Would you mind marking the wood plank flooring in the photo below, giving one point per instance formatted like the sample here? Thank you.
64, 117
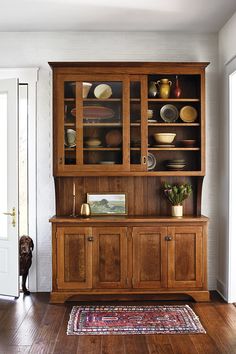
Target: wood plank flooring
32, 325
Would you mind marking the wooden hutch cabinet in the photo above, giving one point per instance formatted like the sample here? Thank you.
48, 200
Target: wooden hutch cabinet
105, 120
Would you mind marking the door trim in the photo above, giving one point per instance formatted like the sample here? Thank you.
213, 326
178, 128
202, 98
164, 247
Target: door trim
29, 76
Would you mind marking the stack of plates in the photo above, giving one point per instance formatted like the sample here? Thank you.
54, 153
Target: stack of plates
151, 162
175, 165
107, 162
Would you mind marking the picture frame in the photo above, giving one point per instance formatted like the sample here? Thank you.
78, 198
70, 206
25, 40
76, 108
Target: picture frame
108, 203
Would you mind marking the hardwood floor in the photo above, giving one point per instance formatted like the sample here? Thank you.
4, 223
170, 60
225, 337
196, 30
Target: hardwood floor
32, 325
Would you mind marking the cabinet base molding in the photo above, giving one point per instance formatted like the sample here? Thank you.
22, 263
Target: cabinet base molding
61, 297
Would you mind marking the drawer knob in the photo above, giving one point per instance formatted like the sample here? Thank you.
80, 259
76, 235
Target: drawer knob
168, 238
90, 238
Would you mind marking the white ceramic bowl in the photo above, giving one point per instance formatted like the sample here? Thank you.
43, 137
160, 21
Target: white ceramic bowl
164, 138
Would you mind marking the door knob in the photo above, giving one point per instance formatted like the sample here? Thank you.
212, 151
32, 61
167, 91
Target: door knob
90, 238
13, 215
168, 238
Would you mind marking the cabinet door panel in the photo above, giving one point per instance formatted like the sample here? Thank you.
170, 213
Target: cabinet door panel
74, 252
149, 257
83, 114
185, 257
110, 257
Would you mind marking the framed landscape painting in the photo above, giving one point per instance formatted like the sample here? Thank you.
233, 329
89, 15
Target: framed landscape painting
107, 203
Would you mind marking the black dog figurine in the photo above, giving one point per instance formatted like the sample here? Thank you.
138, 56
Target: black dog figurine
26, 247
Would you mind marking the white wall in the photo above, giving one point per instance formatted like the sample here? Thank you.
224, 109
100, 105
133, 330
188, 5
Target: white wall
227, 51
36, 49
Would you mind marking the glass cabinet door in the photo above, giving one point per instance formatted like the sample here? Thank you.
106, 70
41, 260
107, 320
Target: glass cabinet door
138, 123
96, 123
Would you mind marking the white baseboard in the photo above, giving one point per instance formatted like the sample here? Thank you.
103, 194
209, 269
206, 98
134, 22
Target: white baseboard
222, 289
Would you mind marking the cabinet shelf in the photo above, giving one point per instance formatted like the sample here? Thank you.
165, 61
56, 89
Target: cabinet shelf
101, 99
173, 124
92, 125
173, 100
135, 124
101, 149
69, 124
70, 149
173, 149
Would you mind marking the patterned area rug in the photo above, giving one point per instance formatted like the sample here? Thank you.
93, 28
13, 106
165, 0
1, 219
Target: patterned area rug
108, 320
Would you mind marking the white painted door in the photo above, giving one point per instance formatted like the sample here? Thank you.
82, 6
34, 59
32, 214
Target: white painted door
9, 255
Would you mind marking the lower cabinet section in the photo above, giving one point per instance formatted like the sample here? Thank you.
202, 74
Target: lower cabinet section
155, 259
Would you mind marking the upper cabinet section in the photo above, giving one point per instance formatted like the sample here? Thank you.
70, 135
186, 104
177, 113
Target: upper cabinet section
129, 119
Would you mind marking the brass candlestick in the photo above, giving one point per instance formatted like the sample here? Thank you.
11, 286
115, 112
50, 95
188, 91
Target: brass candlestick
73, 205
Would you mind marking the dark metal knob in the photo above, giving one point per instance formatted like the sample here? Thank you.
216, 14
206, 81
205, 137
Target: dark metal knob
90, 238
168, 238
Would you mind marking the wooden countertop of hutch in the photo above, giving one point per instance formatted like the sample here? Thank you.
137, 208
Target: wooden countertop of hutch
127, 219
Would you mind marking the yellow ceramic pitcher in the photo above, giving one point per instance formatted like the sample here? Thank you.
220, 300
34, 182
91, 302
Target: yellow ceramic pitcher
164, 88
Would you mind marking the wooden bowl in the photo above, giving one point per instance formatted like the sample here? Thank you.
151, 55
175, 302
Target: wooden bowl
113, 138
188, 143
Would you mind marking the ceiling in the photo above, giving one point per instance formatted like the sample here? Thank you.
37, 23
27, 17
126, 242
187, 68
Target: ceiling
115, 15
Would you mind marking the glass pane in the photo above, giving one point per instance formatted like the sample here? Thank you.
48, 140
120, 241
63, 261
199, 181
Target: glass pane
135, 122
3, 164
23, 161
102, 123
70, 122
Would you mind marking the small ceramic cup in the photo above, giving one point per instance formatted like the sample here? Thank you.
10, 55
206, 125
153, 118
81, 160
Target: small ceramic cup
150, 113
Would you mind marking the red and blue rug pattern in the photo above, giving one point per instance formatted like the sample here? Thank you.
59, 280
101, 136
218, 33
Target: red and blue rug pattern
124, 320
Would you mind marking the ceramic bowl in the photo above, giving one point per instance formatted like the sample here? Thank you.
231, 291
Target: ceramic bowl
164, 138
93, 142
